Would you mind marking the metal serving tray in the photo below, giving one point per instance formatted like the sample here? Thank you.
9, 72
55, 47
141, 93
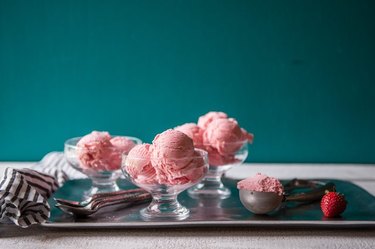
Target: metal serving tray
360, 211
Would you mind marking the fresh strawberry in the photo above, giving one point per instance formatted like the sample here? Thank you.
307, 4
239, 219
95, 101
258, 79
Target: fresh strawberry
333, 204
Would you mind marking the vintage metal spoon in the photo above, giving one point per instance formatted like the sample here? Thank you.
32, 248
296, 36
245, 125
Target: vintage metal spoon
98, 196
266, 202
96, 205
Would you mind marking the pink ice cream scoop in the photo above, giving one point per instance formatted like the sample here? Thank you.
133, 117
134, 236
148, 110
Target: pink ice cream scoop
122, 144
172, 144
99, 151
224, 135
138, 164
194, 132
247, 135
95, 151
217, 159
222, 139
206, 119
175, 160
220, 136
95, 138
261, 183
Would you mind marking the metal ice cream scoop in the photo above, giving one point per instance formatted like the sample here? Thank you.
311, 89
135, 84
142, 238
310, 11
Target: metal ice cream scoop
266, 202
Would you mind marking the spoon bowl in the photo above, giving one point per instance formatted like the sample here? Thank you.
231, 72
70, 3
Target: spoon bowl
260, 202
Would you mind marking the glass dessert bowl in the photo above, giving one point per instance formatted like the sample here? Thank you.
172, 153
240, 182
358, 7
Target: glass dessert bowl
211, 186
100, 161
226, 143
164, 178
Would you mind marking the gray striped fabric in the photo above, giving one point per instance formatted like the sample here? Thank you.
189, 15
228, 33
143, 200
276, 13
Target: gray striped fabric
24, 193
54, 164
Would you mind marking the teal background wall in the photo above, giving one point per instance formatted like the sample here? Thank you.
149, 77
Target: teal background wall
299, 74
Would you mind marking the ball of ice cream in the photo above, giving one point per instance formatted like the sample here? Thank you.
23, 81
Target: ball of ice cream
172, 144
219, 135
138, 164
94, 150
217, 159
222, 138
247, 135
194, 132
175, 160
99, 151
261, 183
191, 172
95, 138
122, 144
206, 119
224, 135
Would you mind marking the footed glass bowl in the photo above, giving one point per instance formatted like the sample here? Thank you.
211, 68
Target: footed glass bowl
107, 168
211, 186
164, 204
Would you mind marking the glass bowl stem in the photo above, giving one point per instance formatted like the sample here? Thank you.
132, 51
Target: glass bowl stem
211, 185
101, 183
165, 206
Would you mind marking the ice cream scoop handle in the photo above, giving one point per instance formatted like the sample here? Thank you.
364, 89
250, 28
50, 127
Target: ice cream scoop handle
312, 195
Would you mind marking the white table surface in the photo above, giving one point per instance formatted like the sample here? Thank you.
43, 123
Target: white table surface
362, 175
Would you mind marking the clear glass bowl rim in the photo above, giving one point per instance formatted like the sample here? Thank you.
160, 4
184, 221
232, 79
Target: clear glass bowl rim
203, 154
242, 142
72, 142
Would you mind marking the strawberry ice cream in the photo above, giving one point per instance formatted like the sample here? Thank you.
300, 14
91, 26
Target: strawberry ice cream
193, 131
175, 160
171, 160
224, 135
122, 144
138, 164
206, 119
95, 138
219, 135
99, 151
216, 159
247, 135
261, 183
222, 139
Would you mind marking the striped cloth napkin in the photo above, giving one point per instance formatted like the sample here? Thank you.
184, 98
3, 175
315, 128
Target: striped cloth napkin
24, 193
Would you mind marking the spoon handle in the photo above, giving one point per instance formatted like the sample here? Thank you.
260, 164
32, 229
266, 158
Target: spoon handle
312, 195
116, 193
134, 198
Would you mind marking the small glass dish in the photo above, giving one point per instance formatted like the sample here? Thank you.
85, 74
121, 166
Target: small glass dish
164, 204
102, 180
212, 186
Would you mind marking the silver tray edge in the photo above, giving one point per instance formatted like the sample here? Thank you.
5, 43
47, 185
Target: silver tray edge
338, 224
